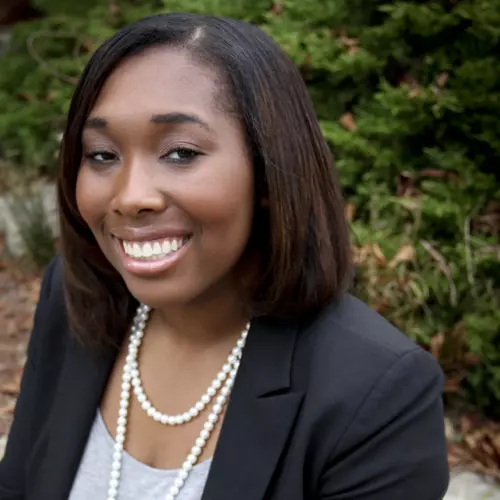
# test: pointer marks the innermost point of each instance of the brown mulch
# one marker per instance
(474, 442)
(18, 296)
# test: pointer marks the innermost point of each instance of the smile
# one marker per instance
(152, 250)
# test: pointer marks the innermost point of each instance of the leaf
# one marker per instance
(442, 79)
(114, 9)
(277, 7)
(11, 385)
(350, 211)
(346, 41)
(378, 254)
(437, 343)
(348, 122)
(405, 254)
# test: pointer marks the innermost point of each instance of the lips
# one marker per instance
(152, 254)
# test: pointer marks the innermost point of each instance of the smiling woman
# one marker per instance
(205, 252)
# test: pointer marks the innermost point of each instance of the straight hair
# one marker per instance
(300, 234)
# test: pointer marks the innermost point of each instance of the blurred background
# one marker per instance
(408, 95)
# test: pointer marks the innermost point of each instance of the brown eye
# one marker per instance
(100, 157)
(181, 155)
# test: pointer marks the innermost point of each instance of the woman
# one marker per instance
(194, 339)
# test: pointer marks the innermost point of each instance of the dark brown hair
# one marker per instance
(301, 233)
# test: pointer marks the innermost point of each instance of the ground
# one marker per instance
(18, 297)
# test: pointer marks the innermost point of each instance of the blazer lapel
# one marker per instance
(260, 415)
(81, 384)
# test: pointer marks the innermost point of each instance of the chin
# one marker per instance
(161, 295)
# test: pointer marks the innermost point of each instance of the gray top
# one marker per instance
(137, 479)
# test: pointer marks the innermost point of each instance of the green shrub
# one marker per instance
(408, 94)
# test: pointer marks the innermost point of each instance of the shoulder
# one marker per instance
(349, 334)
(352, 321)
(349, 352)
(371, 395)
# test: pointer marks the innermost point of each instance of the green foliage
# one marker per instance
(408, 95)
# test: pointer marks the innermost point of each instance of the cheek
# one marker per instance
(228, 205)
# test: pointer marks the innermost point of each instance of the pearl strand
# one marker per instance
(136, 335)
(205, 400)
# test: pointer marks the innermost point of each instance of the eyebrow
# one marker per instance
(162, 119)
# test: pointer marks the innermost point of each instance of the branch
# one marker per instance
(30, 43)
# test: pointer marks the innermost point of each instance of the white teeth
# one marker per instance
(136, 250)
(147, 250)
(154, 249)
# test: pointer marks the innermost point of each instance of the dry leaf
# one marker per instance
(353, 50)
(12, 384)
(350, 211)
(414, 92)
(442, 79)
(437, 343)
(378, 254)
(346, 41)
(348, 122)
(452, 385)
(114, 8)
(405, 254)
(277, 7)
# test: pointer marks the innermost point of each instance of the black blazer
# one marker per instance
(343, 408)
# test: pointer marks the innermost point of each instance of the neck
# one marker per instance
(206, 321)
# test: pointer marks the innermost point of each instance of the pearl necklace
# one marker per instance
(226, 371)
(221, 385)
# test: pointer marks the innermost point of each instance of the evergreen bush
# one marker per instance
(408, 95)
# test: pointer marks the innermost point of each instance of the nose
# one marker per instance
(136, 191)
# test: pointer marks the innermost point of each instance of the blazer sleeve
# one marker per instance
(13, 464)
(395, 448)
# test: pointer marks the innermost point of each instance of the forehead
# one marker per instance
(158, 80)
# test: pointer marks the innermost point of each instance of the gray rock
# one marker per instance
(468, 486)
(3, 444)
(10, 221)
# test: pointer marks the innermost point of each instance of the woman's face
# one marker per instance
(165, 182)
